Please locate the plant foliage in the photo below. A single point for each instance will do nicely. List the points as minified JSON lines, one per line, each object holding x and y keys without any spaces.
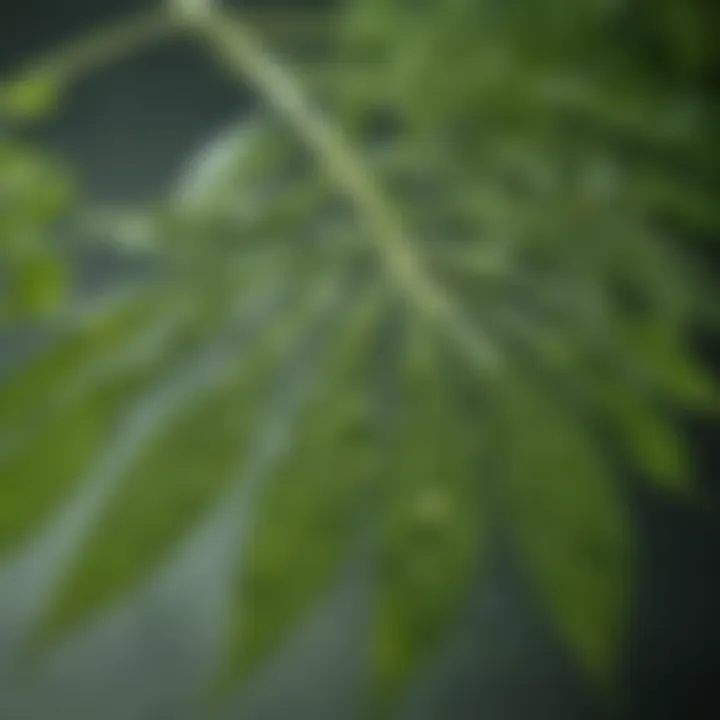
{"x":474,"y":221}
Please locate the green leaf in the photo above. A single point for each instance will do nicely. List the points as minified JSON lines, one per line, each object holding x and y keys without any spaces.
{"x":569,"y":521}
{"x":93,"y":338}
{"x":179,"y":477}
{"x":59,"y":416}
{"x":35,"y":191}
{"x":661,"y":357}
{"x":38,"y":286}
{"x":33,"y":96}
{"x":312,"y":511}
{"x":59,"y":412}
{"x":433,"y":526}
{"x":653,"y":440}
{"x":34,"y":194}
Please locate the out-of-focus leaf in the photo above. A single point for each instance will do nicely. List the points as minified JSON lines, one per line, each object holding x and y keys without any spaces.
{"x":37,"y":286}
{"x":26,"y":392}
{"x":179,"y":476}
{"x":57,"y":416}
{"x":312,"y":511}
{"x":33,"y":96}
{"x":569,"y":522}
{"x":34,"y":193}
{"x":660,"y":356}
{"x":35,"y":190}
{"x":433,"y":529}
{"x":654,"y":442}
{"x":46,"y":452}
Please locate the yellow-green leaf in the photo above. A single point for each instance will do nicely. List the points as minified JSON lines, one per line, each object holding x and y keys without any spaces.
{"x":33,"y":96}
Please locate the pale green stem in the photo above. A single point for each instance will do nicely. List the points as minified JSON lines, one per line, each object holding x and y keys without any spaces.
{"x":244,"y":55}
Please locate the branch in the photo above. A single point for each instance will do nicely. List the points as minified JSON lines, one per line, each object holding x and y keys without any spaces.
{"x":243,"y":54}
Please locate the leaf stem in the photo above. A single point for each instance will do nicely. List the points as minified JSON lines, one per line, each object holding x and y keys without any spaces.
{"x":243,"y":54}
